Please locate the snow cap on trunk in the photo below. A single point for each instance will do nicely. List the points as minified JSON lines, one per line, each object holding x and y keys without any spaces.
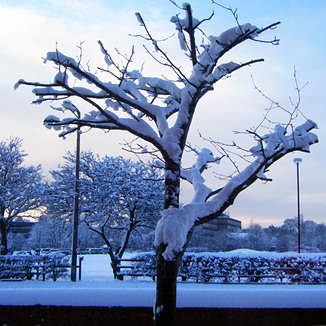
{"x":172,"y":229}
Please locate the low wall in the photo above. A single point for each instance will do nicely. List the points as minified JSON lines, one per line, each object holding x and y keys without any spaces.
{"x":130,"y":316}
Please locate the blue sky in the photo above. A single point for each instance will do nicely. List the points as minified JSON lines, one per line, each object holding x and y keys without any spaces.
{"x":32,"y":28}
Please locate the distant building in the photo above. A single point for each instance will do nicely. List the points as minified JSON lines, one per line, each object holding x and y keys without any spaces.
{"x":23,"y":227}
{"x":224,"y":222}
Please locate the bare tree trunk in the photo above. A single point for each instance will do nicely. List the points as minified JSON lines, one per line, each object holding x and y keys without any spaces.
{"x":115,"y":264}
{"x":131,"y":227}
{"x":4,"y":241}
{"x":114,"y":258}
{"x":166,"y":288}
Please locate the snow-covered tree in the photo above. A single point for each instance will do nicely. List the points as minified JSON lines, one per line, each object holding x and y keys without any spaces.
{"x":118,"y":198}
{"x":121,"y":198}
{"x":42,"y":235}
{"x":160,"y":112}
{"x":285,"y":237}
{"x":321,"y":237}
{"x":59,"y":200}
{"x":17,"y":241}
{"x":20,"y":187}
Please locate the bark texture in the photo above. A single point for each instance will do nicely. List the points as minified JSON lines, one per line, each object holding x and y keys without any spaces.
{"x":166,"y":288}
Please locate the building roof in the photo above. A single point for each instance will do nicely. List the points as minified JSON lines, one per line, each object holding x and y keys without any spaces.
{"x":21,"y":226}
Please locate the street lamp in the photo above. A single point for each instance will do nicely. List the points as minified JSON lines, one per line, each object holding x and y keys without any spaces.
{"x":73,"y":275}
{"x":297,"y":161}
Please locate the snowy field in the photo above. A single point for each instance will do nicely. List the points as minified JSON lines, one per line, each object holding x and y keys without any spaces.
{"x":98,"y":288}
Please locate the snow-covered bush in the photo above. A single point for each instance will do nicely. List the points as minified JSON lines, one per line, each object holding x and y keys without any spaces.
{"x":28,"y":267}
{"x":246,"y":266}
{"x":141,"y":265}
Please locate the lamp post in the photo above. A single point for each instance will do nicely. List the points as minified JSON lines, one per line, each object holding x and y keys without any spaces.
{"x":297,"y":162}
{"x":73,"y":275}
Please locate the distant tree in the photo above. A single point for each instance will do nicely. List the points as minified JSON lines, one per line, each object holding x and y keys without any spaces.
{"x":20,"y":187}
{"x":160,"y":111}
{"x":42,"y":235}
{"x":17,"y":241}
{"x":118,"y":198}
{"x":290,"y":226}
{"x":275,"y":238}
{"x":88,"y":238}
{"x":58,"y":199}
{"x":308,"y":234}
{"x":321,"y":237}
{"x":239,"y":240}
{"x":257,"y":238}
{"x":285,"y":237}
{"x":126,"y":201}
{"x":312,"y":235}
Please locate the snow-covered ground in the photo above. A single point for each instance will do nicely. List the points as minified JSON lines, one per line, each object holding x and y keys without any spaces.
{"x":98,"y":288}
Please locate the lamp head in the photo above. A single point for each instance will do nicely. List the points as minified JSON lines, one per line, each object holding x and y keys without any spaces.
{"x":297,"y":160}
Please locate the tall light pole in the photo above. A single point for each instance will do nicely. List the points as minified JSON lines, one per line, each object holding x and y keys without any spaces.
{"x":73,"y":275}
{"x":297,"y":161}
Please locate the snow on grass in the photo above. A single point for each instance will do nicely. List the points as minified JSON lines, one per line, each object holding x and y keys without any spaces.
{"x":97,"y":268}
{"x":98,"y":288}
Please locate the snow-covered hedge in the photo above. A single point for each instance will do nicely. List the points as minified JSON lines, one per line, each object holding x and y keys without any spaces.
{"x":27,"y":267}
{"x":245,"y":266}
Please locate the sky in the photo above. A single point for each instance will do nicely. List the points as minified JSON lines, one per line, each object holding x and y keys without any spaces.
{"x":29,"y":29}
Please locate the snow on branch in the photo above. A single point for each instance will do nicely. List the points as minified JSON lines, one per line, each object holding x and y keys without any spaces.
{"x":175,"y":224}
{"x":130,"y":101}
{"x":193,"y":175}
{"x":126,"y":93}
{"x":188,"y":24}
{"x":299,"y":139}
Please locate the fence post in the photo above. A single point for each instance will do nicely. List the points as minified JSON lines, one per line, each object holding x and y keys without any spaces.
{"x":80,"y":267}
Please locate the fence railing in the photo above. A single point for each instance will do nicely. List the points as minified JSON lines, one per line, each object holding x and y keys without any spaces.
{"x":19,"y":267}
